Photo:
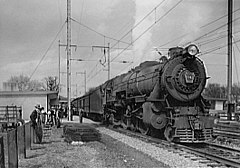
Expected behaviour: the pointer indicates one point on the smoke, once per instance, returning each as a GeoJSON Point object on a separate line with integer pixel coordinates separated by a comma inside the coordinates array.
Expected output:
{"type": "Point", "coordinates": [186, 18]}
{"type": "Point", "coordinates": [195, 18]}
{"type": "Point", "coordinates": [141, 45]}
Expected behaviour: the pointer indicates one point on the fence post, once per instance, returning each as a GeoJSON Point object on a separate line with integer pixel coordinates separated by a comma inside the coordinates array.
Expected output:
{"type": "Point", "coordinates": [16, 141]}
{"type": "Point", "coordinates": [12, 146]}
{"type": "Point", "coordinates": [30, 137]}
{"type": "Point", "coordinates": [24, 139]}
{"type": "Point", "coordinates": [2, 157]}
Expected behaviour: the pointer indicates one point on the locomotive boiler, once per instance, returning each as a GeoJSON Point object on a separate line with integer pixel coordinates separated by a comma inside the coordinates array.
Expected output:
{"type": "Point", "coordinates": [160, 98]}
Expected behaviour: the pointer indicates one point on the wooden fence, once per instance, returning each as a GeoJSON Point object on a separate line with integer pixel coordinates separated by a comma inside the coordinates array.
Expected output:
{"type": "Point", "coordinates": [13, 145]}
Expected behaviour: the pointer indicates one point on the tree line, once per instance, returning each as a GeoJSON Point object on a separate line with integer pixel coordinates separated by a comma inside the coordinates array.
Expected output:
{"type": "Point", "coordinates": [215, 90]}
{"type": "Point", "coordinates": [25, 83]}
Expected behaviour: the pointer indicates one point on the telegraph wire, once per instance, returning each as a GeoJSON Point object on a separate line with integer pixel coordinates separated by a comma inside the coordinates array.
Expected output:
{"type": "Point", "coordinates": [156, 21]}
{"type": "Point", "coordinates": [130, 31]}
{"type": "Point", "coordinates": [216, 48]}
{"type": "Point", "coordinates": [148, 28]}
{"type": "Point", "coordinates": [219, 18]}
{"type": "Point", "coordinates": [44, 55]}
{"type": "Point", "coordinates": [104, 36]}
{"type": "Point", "coordinates": [213, 40]}
{"type": "Point", "coordinates": [200, 28]}
{"type": "Point", "coordinates": [204, 35]}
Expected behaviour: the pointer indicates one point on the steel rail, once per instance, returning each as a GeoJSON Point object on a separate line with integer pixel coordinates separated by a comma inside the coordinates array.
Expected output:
{"type": "Point", "coordinates": [216, 158]}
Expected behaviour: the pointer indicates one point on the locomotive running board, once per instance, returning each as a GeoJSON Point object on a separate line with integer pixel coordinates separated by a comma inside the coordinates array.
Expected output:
{"type": "Point", "coordinates": [143, 98]}
{"type": "Point", "coordinates": [138, 99]}
{"type": "Point", "coordinates": [155, 100]}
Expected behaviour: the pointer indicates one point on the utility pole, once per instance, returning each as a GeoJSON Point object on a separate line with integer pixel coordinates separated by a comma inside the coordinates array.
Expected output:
{"type": "Point", "coordinates": [108, 48]}
{"type": "Point", "coordinates": [68, 58]}
{"type": "Point", "coordinates": [229, 81]}
{"type": "Point", "coordinates": [85, 81]}
{"type": "Point", "coordinates": [109, 73]}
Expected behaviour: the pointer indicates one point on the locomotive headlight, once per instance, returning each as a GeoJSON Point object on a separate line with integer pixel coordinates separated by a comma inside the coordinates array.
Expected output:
{"type": "Point", "coordinates": [192, 50]}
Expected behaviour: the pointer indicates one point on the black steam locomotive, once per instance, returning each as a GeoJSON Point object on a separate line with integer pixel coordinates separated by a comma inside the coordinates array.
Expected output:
{"type": "Point", "coordinates": [160, 98]}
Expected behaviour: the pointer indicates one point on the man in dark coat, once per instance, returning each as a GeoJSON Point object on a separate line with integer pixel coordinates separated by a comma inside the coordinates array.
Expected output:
{"type": "Point", "coordinates": [33, 116]}
{"type": "Point", "coordinates": [38, 132]}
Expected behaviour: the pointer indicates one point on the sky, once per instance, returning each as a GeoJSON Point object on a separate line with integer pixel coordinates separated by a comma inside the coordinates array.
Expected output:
{"type": "Point", "coordinates": [134, 29]}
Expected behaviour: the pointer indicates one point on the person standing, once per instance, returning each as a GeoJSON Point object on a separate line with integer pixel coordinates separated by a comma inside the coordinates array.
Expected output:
{"type": "Point", "coordinates": [33, 116]}
{"type": "Point", "coordinates": [36, 124]}
{"type": "Point", "coordinates": [49, 121]}
{"type": "Point", "coordinates": [43, 115]}
{"type": "Point", "coordinates": [81, 115]}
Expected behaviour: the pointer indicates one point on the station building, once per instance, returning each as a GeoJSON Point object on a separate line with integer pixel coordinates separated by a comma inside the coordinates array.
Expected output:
{"type": "Point", "coordinates": [217, 103]}
{"type": "Point", "coordinates": [27, 100]}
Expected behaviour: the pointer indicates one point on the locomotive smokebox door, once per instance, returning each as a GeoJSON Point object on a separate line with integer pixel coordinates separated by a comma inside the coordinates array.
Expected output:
{"type": "Point", "coordinates": [189, 77]}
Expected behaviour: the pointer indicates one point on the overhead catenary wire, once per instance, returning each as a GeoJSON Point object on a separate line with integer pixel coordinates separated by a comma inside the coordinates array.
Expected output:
{"type": "Point", "coordinates": [50, 46]}
{"type": "Point", "coordinates": [103, 35]}
{"type": "Point", "coordinates": [138, 23]}
{"type": "Point", "coordinates": [130, 31]}
{"type": "Point", "coordinates": [213, 39]}
{"type": "Point", "coordinates": [205, 25]}
{"type": "Point", "coordinates": [146, 30]}
{"type": "Point", "coordinates": [44, 55]}
{"type": "Point", "coordinates": [217, 48]}
{"type": "Point", "coordinates": [204, 35]}
{"type": "Point", "coordinates": [156, 21]}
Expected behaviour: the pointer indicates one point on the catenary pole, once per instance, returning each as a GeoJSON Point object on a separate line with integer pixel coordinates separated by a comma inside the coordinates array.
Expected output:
{"type": "Point", "coordinates": [59, 66]}
{"type": "Point", "coordinates": [85, 81]}
{"type": "Point", "coordinates": [68, 58]}
{"type": "Point", "coordinates": [109, 68]}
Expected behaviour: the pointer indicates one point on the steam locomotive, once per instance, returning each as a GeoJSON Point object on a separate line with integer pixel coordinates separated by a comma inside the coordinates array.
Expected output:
{"type": "Point", "coordinates": [160, 98]}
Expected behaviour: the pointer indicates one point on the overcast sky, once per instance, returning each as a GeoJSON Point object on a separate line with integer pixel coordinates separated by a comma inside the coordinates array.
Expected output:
{"type": "Point", "coordinates": [29, 31]}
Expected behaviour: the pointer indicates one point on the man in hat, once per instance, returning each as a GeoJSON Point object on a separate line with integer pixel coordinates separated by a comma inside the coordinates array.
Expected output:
{"type": "Point", "coordinates": [34, 115]}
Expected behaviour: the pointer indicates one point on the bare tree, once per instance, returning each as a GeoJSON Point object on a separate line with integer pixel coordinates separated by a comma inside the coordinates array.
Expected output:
{"type": "Point", "coordinates": [51, 83]}
{"type": "Point", "coordinates": [24, 83]}
{"type": "Point", "coordinates": [214, 90]}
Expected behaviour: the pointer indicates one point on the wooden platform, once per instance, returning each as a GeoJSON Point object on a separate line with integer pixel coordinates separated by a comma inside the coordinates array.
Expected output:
{"type": "Point", "coordinates": [80, 132]}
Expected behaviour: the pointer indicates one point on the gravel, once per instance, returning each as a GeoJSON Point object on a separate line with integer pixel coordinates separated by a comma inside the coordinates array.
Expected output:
{"type": "Point", "coordinates": [114, 150]}
{"type": "Point", "coordinates": [162, 155]}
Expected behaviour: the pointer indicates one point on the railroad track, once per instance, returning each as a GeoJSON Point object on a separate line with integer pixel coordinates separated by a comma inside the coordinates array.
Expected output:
{"type": "Point", "coordinates": [230, 130]}
{"type": "Point", "coordinates": [210, 154]}
{"type": "Point", "coordinates": [220, 154]}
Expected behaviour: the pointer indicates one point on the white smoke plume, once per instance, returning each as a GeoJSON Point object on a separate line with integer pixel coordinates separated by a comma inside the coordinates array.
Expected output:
{"type": "Point", "coordinates": [142, 9]}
